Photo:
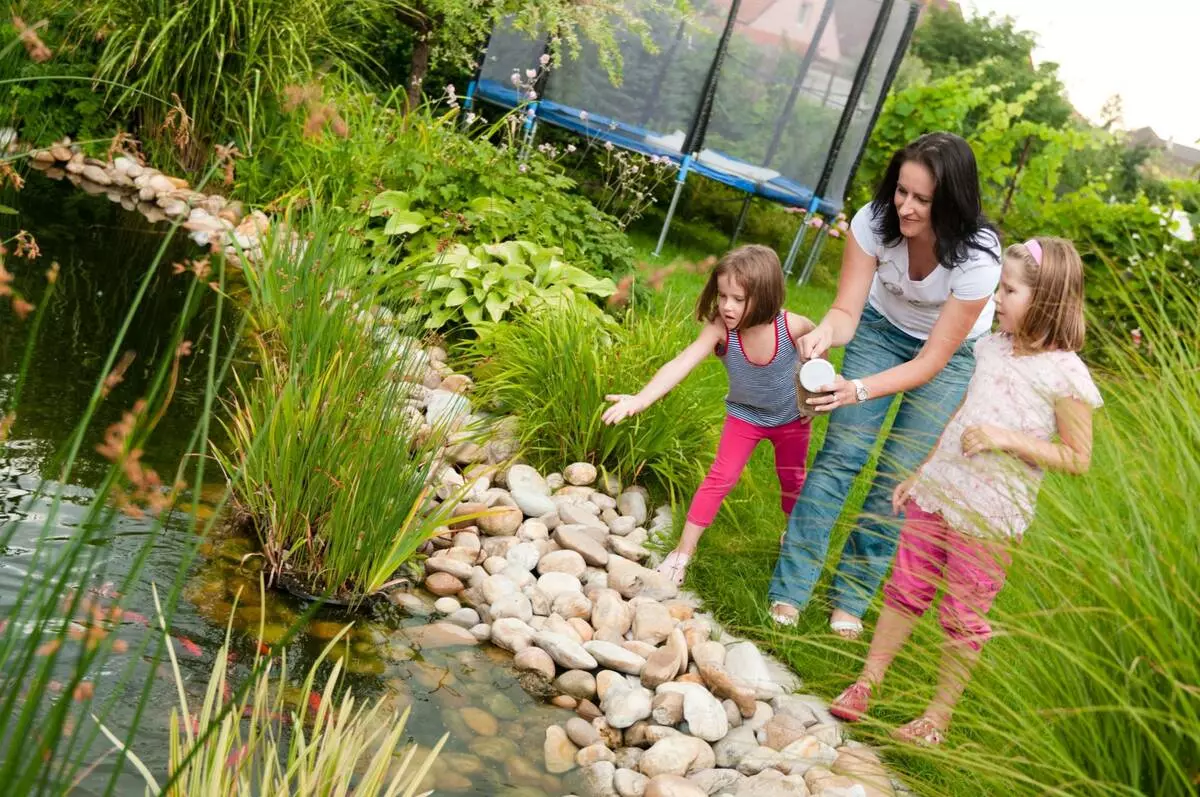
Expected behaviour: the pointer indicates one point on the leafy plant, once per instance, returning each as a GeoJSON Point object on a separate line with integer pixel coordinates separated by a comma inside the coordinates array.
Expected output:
{"type": "Point", "coordinates": [553, 369]}
{"type": "Point", "coordinates": [336, 460]}
{"type": "Point", "coordinates": [492, 281]}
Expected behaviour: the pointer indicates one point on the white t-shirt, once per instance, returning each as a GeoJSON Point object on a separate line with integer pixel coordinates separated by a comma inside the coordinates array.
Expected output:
{"type": "Point", "coordinates": [914, 305]}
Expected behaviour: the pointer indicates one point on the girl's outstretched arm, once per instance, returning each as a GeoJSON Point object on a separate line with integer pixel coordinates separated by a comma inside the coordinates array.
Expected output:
{"type": "Point", "coordinates": [666, 377]}
{"type": "Point", "coordinates": [1071, 454]}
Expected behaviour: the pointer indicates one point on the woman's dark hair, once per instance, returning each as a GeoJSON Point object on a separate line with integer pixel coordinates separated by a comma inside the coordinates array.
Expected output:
{"type": "Point", "coordinates": [956, 213]}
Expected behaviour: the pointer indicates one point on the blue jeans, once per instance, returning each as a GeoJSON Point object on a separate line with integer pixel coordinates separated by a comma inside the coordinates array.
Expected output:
{"type": "Point", "coordinates": [924, 411]}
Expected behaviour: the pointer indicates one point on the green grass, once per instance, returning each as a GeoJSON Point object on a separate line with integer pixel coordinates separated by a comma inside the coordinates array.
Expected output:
{"type": "Point", "coordinates": [1092, 685]}
{"type": "Point", "coordinates": [335, 465]}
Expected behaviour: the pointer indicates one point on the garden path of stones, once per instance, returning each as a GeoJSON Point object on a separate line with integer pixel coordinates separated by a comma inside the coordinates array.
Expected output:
{"type": "Point", "coordinates": [666, 704]}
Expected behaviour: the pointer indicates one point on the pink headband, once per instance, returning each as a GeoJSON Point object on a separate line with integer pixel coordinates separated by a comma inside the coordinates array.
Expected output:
{"type": "Point", "coordinates": [1035, 249]}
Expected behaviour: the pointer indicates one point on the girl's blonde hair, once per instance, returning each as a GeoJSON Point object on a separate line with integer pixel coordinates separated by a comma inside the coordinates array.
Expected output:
{"type": "Point", "coordinates": [1054, 318]}
{"type": "Point", "coordinates": [756, 270]}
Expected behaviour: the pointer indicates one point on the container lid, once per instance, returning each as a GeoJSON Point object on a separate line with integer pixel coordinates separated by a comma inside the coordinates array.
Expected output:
{"type": "Point", "coordinates": [816, 374]}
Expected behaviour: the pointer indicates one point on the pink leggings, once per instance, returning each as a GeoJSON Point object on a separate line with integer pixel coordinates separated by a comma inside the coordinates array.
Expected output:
{"type": "Point", "coordinates": [738, 440]}
{"type": "Point", "coordinates": [932, 554]}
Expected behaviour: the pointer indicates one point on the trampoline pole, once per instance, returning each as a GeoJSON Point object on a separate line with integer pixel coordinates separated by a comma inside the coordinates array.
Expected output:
{"type": "Point", "coordinates": [813, 254]}
{"type": "Point", "coordinates": [798, 241]}
{"type": "Point", "coordinates": [680, 179]}
{"type": "Point", "coordinates": [741, 222]}
{"type": "Point", "coordinates": [806, 62]}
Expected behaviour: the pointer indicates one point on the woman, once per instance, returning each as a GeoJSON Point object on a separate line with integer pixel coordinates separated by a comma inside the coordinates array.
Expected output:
{"type": "Point", "coordinates": [920, 267]}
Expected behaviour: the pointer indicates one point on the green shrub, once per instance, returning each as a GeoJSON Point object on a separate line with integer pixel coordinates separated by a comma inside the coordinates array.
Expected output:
{"type": "Point", "coordinates": [553, 369]}
{"type": "Point", "coordinates": [335, 464]}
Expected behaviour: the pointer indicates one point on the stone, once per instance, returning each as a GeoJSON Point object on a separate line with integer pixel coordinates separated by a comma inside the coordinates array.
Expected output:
{"type": "Point", "coordinates": [652, 623]}
{"type": "Point", "coordinates": [716, 781]}
{"type": "Point", "coordinates": [661, 666]}
{"type": "Point", "coordinates": [608, 679]}
{"type": "Point", "coordinates": [757, 759]}
{"type": "Point", "coordinates": [581, 732]}
{"type": "Point", "coordinates": [594, 753]}
{"type": "Point", "coordinates": [711, 653]}
{"type": "Point", "coordinates": [809, 709]}
{"type": "Point", "coordinates": [646, 734]}
{"type": "Point", "coordinates": [495, 564]}
{"type": "Point", "coordinates": [439, 635]}
{"type": "Point", "coordinates": [673, 786]}
{"type": "Point", "coordinates": [667, 709]}
{"type": "Point", "coordinates": [465, 514]}
{"type": "Point", "coordinates": [745, 659]}
{"type": "Point", "coordinates": [582, 628]}
{"type": "Point", "coordinates": [532, 504]}
{"type": "Point", "coordinates": [615, 657]}
{"type": "Point", "coordinates": [628, 758]}
{"type": "Point", "coordinates": [864, 765]}
{"type": "Point", "coordinates": [629, 783]}
{"type": "Point", "coordinates": [595, 780]}
{"type": "Point", "coordinates": [705, 715]}
{"type": "Point", "coordinates": [559, 625]}
{"type": "Point", "coordinates": [576, 539]}
{"type": "Point", "coordinates": [829, 734]}
{"type": "Point", "coordinates": [566, 653]}
{"type": "Point", "coordinates": [515, 605]}
{"type": "Point", "coordinates": [533, 530]}
{"type": "Point", "coordinates": [446, 408]}
{"type": "Point", "coordinates": [501, 521]}
{"type": "Point", "coordinates": [623, 526]}
{"type": "Point", "coordinates": [553, 584]}
{"type": "Point", "coordinates": [512, 634]}
{"type": "Point", "coordinates": [643, 649]}
{"type": "Point", "coordinates": [443, 584]}
{"type": "Point", "coordinates": [696, 631]}
{"type": "Point", "coordinates": [563, 561]}
{"type": "Point", "coordinates": [465, 617]}
{"type": "Point", "coordinates": [632, 580]}
{"type": "Point", "coordinates": [497, 586]}
{"type": "Point", "coordinates": [564, 701]}
{"type": "Point", "coordinates": [524, 555]}
{"type": "Point", "coordinates": [603, 501]}
{"type": "Point", "coordinates": [782, 730]}
{"type": "Point", "coordinates": [579, 684]}
{"type": "Point", "coordinates": [623, 707]}
{"type": "Point", "coordinates": [572, 604]}
{"type": "Point", "coordinates": [722, 684]}
{"type": "Point", "coordinates": [612, 617]}
{"type": "Point", "coordinates": [633, 503]}
{"type": "Point", "coordinates": [588, 710]}
{"type": "Point", "coordinates": [806, 752]}
{"type": "Point", "coordinates": [675, 755]}
{"type": "Point", "coordinates": [96, 175]}
{"type": "Point", "coordinates": [771, 783]}
{"type": "Point", "coordinates": [763, 713]}
{"type": "Point", "coordinates": [535, 660]}
{"type": "Point", "coordinates": [609, 736]}
{"type": "Point", "coordinates": [629, 550]}
{"type": "Point", "coordinates": [449, 564]}
{"type": "Point", "coordinates": [580, 473]}
{"type": "Point", "coordinates": [559, 751]}
{"type": "Point", "coordinates": [480, 721]}
{"type": "Point", "coordinates": [414, 605]}
{"type": "Point", "coordinates": [481, 631]}
{"type": "Point", "coordinates": [525, 477]}
{"type": "Point", "coordinates": [573, 514]}
{"type": "Point", "coordinates": [736, 744]}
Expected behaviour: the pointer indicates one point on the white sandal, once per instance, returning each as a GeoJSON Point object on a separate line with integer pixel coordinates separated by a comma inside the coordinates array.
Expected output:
{"type": "Point", "coordinates": [784, 618]}
{"type": "Point", "coordinates": [847, 629]}
{"type": "Point", "coordinates": [674, 566]}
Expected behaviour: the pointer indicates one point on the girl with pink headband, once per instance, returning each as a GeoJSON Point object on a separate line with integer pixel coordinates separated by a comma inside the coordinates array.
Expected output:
{"type": "Point", "coordinates": [1028, 409]}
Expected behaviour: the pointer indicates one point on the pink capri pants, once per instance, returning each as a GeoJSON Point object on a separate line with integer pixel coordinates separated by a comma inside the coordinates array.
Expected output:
{"type": "Point", "coordinates": [932, 554]}
{"type": "Point", "coordinates": [738, 440]}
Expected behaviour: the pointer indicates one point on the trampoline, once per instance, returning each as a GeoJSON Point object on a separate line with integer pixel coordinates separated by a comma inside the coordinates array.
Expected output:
{"type": "Point", "coordinates": [775, 98]}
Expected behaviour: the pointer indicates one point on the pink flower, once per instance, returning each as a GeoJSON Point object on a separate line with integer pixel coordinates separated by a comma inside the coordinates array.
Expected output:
{"type": "Point", "coordinates": [530, 73]}
{"type": "Point", "coordinates": [583, 116]}
{"type": "Point", "coordinates": [1136, 336]}
{"type": "Point", "coordinates": [532, 94]}
{"type": "Point", "coordinates": [522, 168]}
{"type": "Point", "coordinates": [545, 59]}
{"type": "Point", "coordinates": [515, 78]}
{"type": "Point", "coordinates": [816, 222]}
{"type": "Point", "coordinates": [608, 145]}
{"type": "Point", "coordinates": [834, 232]}
{"type": "Point", "coordinates": [470, 117]}
{"type": "Point", "coordinates": [570, 147]}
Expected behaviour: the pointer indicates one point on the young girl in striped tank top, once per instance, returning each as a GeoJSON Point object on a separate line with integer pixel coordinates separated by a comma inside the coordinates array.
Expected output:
{"type": "Point", "coordinates": [746, 327]}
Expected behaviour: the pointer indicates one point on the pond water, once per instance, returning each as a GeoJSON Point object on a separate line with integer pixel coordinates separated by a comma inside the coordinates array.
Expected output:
{"type": "Point", "coordinates": [103, 252]}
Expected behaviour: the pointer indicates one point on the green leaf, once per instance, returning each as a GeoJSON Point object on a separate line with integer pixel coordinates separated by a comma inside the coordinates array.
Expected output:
{"type": "Point", "coordinates": [455, 297]}
{"type": "Point", "coordinates": [389, 202]}
{"type": "Point", "coordinates": [473, 311]}
{"type": "Point", "coordinates": [444, 282]}
{"type": "Point", "coordinates": [489, 205]}
{"type": "Point", "coordinates": [511, 252]}
{"type": "Point", "coordinates": [405, 222]}
{"type": "Point", "coordinates": [5, 209]}
{"type": "Point", "coordinates": [496, 306]}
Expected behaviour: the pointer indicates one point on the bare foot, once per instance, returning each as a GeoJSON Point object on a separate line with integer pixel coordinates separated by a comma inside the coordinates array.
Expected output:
{"type": "Point", "coordinates": [784, 613]}
{"type": "Point", "coordinates": [845, 625]}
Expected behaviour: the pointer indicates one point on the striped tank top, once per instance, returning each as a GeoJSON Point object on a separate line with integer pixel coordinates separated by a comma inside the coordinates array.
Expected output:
{"type": "Point", "coordinates": [761, 394]}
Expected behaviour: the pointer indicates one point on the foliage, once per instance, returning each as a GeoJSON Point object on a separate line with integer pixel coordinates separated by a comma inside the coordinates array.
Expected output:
{"type": "Point", "coordinates": [260, 741]}
{"type": "Point", "coordinates": [553, 369]}
{"type": "Point", "coordinates": [334, 459]}
{"type": "Point", "coordinates": [444, 172]}
{"type": "Point", "coordinates": [494, 281]}
{"type": "Point", "coordinates": [198, 74]}
{"type": "Point", "coordinates": [947, 42]}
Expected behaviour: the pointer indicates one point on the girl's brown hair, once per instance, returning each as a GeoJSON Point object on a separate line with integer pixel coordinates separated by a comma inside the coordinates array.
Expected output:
{"type": "Point", "coordinates": [1054, 318]}
{"type": "Point", "coordinates": [756, 270]}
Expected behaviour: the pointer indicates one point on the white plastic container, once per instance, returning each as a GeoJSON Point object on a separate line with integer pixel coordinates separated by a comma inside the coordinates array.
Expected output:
{"type": "Point", "coordinates": [810, 378]}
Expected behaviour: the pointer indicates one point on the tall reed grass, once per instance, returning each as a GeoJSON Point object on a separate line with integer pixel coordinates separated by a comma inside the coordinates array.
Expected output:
{"type": "Point", "coordinates": [553, 369]}
{"type": "Point", "coordinates": [335, 464]}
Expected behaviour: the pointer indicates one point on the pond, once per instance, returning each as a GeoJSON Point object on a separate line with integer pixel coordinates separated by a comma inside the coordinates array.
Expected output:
{"type": "Point", "coordinates": [495, 745]}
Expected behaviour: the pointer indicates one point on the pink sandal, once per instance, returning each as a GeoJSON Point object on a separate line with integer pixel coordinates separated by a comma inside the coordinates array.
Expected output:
{"type": "Point", "coordinates": [852, 703]}
{"type": "Point", "coordinates": [674, 566]}
{"type": "Point", "coordinates": [921, 732]}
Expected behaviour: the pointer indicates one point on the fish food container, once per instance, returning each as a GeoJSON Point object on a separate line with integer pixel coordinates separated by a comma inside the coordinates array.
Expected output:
{"type": "Point", "coordinates": [811, 376]}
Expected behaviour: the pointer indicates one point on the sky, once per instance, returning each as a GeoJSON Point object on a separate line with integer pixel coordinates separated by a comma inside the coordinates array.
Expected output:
{"type": "Point", "coordinates": [1145, 50]}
